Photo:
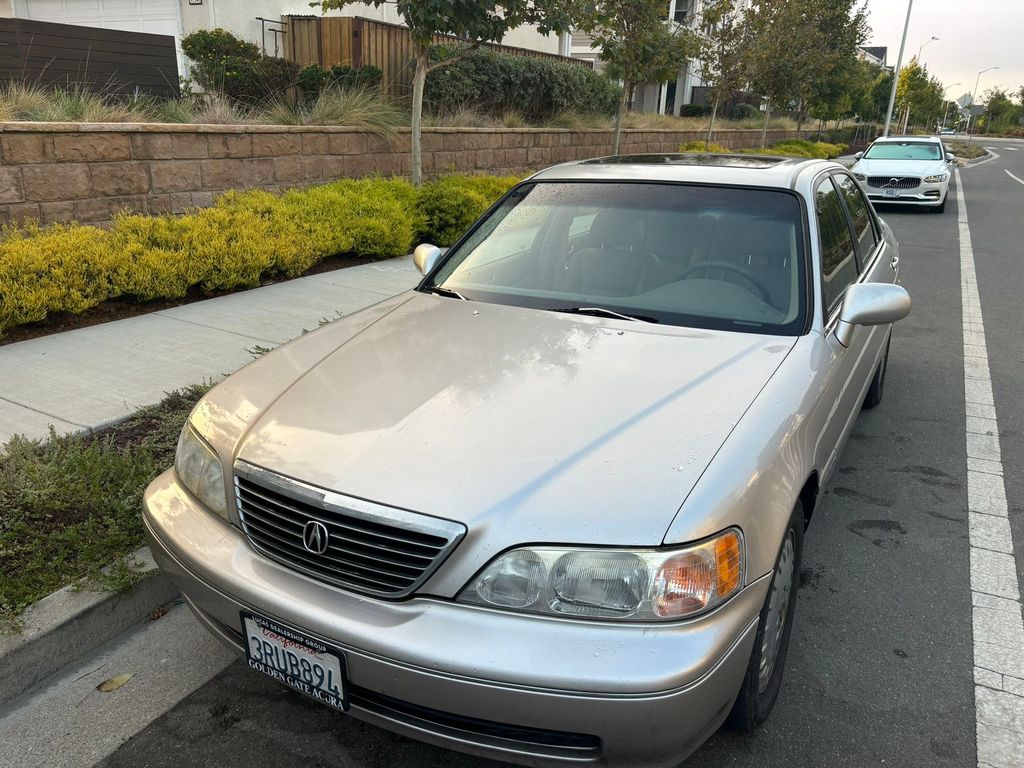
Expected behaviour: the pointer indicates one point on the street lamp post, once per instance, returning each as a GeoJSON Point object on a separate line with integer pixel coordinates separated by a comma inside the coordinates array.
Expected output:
{"type": "Point", "coordinates": [945, 114]}
{"type": "Point", "coordinates": [928, 42]}
{"type": "Point", "coordinates": [974, 95]}
{"type": "Point", "coordinates": [896, 72]}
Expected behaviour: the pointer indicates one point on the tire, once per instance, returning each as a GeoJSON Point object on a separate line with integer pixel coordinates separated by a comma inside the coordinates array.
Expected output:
{"type": "Point", "coordinates": [759, 692]}
{"type": "Point", "coordinates": [941, 207]}
{"type": "Point", "coordinates": [877, 388]}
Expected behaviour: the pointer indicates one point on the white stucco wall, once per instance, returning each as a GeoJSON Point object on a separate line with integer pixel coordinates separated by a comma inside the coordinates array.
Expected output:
{"type": "Point", "coordinates": [239, 17]}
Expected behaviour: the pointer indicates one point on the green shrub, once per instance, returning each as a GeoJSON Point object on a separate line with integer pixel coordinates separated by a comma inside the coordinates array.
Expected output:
{"type": "Point", "coordinates": [60, 268]}
{"type": "Point", "coordinates": [703, 146]}
{"type": "Point", "coordinates": [744, 111]}
{"type": "Point", "coordinates": [314, 79]}
{"type": "Point", "coordinates": [452, 204]}
{"type": "Point", "coordinates": [237, 68]}
{"type": "Point", "coordinates": [497, 83]}
{"type": "Point", "coordinates": [238, 242]}
{"type": "Point", "coordinates": [693, 110]}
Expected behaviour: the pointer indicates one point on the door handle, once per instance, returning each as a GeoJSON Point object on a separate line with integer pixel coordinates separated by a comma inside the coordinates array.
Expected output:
{"type": "Point", "coordinates": [895, 262]}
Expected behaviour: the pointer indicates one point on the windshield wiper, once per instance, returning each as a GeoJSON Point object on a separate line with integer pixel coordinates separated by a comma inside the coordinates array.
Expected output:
{"type": "Point", "coordinates": [441, 291]}
{"type": "Point", "coordinates": [603, 312]}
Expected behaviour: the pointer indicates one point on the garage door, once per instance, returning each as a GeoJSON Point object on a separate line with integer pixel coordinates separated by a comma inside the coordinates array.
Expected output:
{"type": "Point", "coordinates": [158, 17]}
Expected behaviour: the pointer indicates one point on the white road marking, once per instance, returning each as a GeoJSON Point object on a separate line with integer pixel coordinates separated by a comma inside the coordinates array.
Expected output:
{"type": "Point", "coordinates": [1013, 149]}
{"type": "Point", "coordinates": [997, 624]}
{"type": "Point", "coordinates": [991, 147]}
{"type": "Point", "coordinates": [1015, 178]}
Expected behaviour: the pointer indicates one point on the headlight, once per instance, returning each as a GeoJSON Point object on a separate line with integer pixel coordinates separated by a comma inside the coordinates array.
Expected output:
{"type": "Point", "coordinates": [937, 179]}
{"type": "Point", "coordinates": [859, 176]}
{"type": "Point", "coordinates": [199, 470]}
{"type": "Point", "coordinates": [634, 585]}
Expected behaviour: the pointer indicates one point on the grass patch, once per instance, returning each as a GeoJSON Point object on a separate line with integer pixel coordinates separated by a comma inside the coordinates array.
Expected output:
{"type": "Point", "coordinates": [965, 151]}
{"type": "Point", "coordinates": [71, 505]}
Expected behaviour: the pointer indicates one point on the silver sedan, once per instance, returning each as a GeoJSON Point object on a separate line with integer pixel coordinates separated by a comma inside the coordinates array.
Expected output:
{"type": "Point", "coordinates": [549, 506]}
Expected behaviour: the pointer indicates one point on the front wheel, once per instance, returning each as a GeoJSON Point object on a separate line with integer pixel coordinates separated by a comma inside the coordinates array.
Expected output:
{"type": "Point", "coordinates": [941, 207]}
{"type": "Point", "coordinates": [763, 679]}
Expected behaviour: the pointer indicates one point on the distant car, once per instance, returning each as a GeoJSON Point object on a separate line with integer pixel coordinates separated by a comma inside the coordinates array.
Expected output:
{"type": "Point", "coordinates": [947, 132]}
{"type": "Point", "coordinates": [548, 507]}
{"type": "Point", "coordinates": [906, 170]}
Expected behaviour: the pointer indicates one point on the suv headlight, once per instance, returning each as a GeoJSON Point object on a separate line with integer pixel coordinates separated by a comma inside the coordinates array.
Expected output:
{"type": "Point", "coordinates": [630, 585]}
{"type": "Point", "coordinates": [936, 179]}
{"type": "Point", "coordinates": [200, 471]}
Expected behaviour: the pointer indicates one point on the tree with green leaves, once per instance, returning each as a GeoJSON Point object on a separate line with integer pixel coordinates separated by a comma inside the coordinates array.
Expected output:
{"type": "Point", "coordinates": [636, 41]}
{"type": "Point", "coordinates": [476, 21]}
{"type": "Point", "coordinates": [774, 64]}
{"type": "Point", "coordinates": [919, 94]}
{"type": "Point", "coordinates": [722, 47]}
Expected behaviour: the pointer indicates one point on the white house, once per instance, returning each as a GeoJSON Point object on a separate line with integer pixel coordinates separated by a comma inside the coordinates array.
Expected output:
{"type": "Point", "coordinates": [240, 17]}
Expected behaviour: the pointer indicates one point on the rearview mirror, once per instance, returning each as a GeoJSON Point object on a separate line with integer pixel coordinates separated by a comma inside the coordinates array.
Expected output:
{"type": "Point", "coordinates": [425, 257]}
{"type": "Point", "coordinates": [871, 304]}
{"type": "Point", "coordinates": [950, 157]}
{"type": "Point", "coordinates": [858, 155]}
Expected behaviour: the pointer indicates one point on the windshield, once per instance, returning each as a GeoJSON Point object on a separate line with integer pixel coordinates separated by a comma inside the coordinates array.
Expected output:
{"type": "Point", "coordinates": [904, 150]}
{"type": "Point", "coordinates": [697, 256]}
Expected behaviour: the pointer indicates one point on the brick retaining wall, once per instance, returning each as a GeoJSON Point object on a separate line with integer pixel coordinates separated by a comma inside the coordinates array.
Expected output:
{"type": "Point", "coordinates": [87, 172]}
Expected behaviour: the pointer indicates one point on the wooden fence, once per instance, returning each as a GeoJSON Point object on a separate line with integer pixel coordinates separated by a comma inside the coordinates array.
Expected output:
{"type": "Point", "coordinates": [357, 42]}
{"type": "Point", "coordinates": [105, 60]}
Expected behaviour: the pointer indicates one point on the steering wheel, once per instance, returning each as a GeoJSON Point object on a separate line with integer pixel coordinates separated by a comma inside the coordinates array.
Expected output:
{"type": "Point", "coordinates": [726, 266]}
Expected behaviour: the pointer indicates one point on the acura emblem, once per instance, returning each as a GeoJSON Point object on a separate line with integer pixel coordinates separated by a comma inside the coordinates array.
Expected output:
{"type": "Point", "coordinates": [314, 537]}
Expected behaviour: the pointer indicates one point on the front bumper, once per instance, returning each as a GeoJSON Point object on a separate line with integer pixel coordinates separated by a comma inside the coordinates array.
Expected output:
{"type": "Point", "coordinates": [924, 195]}
{"type": "Point", "coordinates": [524, 689]}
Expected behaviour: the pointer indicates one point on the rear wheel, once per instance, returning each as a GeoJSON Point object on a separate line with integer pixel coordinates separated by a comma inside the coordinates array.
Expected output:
{"type": "Point", "coordinates": [763, 680]}
{"type": "Point", "coordinates": [877, 388]}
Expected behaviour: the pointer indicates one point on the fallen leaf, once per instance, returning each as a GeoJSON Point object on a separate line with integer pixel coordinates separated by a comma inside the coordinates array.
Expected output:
{"type": "Point", "coordinates": [114, 683]}
{"type": "Point", "coordinates": [158, 613]}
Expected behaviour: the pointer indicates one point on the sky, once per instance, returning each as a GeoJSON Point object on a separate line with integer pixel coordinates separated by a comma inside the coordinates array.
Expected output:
{"type": "Point", "coordinates": [973, 35]}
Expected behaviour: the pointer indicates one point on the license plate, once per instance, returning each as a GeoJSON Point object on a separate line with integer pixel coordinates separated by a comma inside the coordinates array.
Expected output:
{"type": "Point", "coordinates": [892, 193]}
{"type": "Point", "coordinates": [292, 658]}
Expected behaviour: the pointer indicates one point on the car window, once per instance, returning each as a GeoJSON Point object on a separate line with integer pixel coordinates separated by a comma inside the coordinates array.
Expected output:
{"type": "Point", "coordinates": [904, 150]}
{"type": "Point", "coordinates": [701, 256]}
{"type": "Point", "coordinates": [863, 226]}
{"type": "Point", "coordinates": [838, 260]}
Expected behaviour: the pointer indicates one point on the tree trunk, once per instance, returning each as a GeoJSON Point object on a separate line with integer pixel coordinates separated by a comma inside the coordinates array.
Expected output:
{"type": "Point", "coordinates": [711, 125]}
{"type": "Point", "coordinates": [767, 117]}
{"type": "Point", "coordinates": [419, 80]}
{"type": "Point", "coordinates": [623, 103]}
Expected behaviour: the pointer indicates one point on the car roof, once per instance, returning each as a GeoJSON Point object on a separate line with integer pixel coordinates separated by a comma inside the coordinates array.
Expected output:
{"type": "Point", "coordinates": [744, 170]}
{"type": "Point", "coordinates": [901, 139]}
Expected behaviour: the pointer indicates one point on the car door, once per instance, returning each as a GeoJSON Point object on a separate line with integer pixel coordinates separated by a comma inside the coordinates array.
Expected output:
{"type": "Point", "coordinates": [848, 255]}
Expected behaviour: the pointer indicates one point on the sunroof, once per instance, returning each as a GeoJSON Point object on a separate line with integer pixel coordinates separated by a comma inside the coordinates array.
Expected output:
{"type": "Point", "coordinates": [722, 161]}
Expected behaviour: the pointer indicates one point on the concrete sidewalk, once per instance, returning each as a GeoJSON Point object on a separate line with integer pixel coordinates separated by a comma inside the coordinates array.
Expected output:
{"type": "Point", "coordinates": [91, 376]}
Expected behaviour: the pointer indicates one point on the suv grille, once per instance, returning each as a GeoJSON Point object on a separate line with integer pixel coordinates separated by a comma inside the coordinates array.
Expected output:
{"type": "Point", "coordinates": [894, 182]}
{"type": "Point", "coordinates": [367, 548]}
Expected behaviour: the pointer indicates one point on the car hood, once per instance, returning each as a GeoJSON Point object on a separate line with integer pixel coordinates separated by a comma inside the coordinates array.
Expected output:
{"type": "Point", "coordinates": [920, 168]}
{"type": "Point", "coordinates": [527, 426]}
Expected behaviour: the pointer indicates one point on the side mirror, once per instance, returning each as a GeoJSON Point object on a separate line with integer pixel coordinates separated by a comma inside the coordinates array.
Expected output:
{"type": "Point", "coordinates": [858, 155]}
{"type": "Point", "coordinates": [425, 257]}
{"type": "Point", "coordinates": [871, 304]}
{"type": "Point", "coordinates": [950, 157]}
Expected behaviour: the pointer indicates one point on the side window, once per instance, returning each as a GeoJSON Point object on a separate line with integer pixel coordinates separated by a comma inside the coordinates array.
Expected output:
{"type": "Point", "coordinates": [838, 253]}
{"type": "Point", "coordinates": [863, 226]}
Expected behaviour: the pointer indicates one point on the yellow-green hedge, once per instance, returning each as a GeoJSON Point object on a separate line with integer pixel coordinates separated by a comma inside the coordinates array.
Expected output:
{"type": "Point", "coordinates": [789, 148]}
{"type": "Point", "coordinates": [244, 238]}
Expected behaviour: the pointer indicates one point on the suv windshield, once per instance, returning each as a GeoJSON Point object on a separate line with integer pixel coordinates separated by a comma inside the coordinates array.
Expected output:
{"type": "Point", "coordinates": [904, 150]}
{"type": "Point", "coordinates": [697, 256]}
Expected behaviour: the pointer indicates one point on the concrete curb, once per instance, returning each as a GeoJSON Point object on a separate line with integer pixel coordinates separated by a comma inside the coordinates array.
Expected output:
{"type": "Point", "coordinates": [65, 626]}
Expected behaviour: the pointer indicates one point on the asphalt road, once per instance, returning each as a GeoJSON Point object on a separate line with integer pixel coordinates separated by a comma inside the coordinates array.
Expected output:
{"type": "Point", "coordinates": [880, 670]}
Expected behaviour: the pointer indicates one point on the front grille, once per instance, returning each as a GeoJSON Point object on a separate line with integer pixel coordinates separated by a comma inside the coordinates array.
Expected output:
{"type": "Point", "coordinates": [894, 182]}
{"type": "Point", "coordinates": [370, 548]}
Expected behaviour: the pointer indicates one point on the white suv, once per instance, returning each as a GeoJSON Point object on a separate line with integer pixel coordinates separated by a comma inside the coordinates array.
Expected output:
{"type": "Point", "coordinates": [906, 170]}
